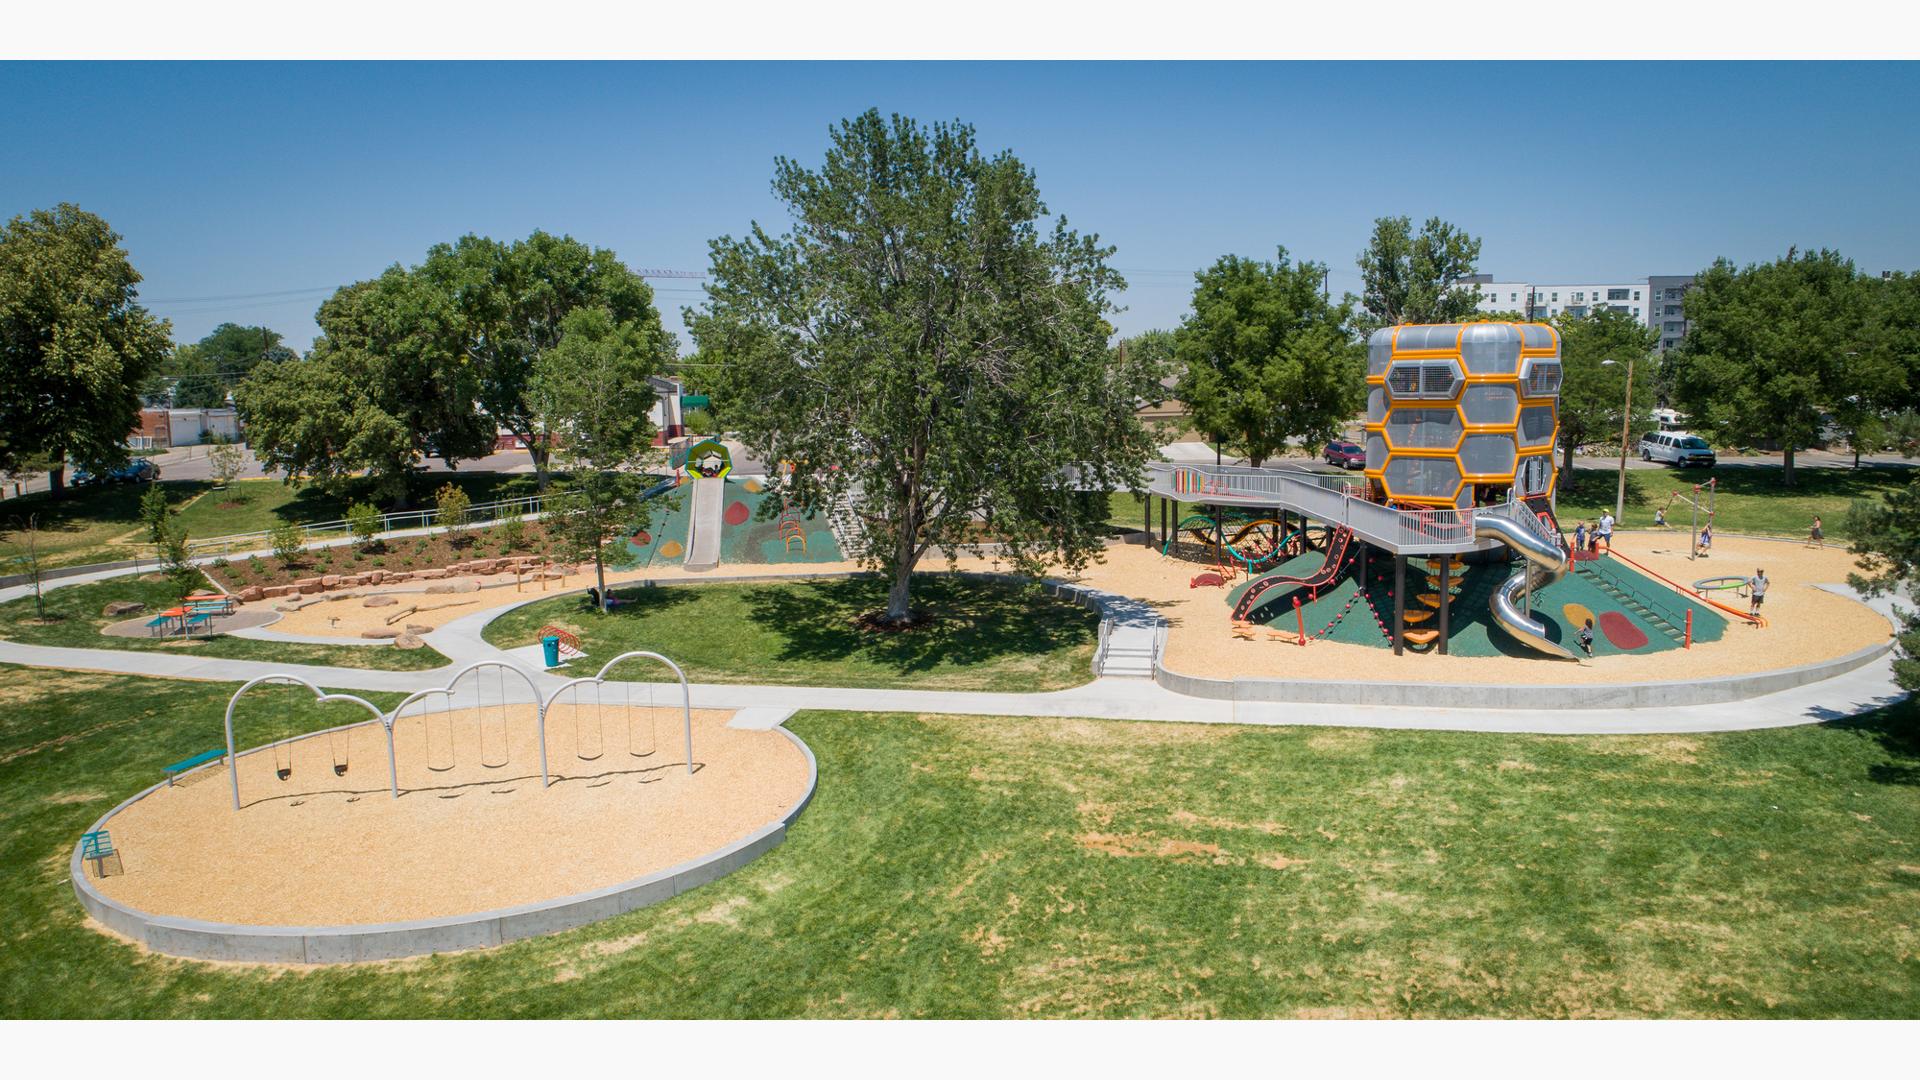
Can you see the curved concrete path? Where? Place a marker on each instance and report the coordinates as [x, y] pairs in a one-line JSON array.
[[1861, 690]]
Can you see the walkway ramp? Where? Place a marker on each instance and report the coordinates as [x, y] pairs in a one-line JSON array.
[[703, 530]]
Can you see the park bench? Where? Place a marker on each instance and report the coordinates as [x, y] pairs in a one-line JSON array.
[[179, 767], [96, 848], [159, 624], [198, 618]]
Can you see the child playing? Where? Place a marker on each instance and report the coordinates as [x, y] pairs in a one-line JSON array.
[[1815, 536], [1586, 638], [1756, 591], [1706, 538], [1660, 517], [1580, 538]]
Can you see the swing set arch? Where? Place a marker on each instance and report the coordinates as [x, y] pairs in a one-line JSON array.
[[599, 679], [503, 667], [320, 697]]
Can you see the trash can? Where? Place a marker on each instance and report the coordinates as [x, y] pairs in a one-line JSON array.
[[550, 645]]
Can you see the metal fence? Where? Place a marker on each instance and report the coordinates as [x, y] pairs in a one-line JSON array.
[[321, 532]]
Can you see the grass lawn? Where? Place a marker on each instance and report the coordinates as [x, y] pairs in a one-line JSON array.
[[988, 636], [102, 523], [1751, 499], [965, 867], [74, 621]]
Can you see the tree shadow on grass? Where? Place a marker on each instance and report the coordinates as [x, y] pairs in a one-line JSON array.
[[1897, 728], [970, 623]]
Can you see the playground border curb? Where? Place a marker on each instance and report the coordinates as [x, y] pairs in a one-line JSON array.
[[195, 939], [1642, 695]]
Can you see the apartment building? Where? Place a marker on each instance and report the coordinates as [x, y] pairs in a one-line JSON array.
[[1656, 301]]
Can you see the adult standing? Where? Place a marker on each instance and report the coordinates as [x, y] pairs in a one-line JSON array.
[[1606, 531]]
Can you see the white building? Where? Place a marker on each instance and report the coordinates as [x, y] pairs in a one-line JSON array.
[[1543, 302]]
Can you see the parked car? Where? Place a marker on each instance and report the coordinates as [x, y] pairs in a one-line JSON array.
[[1676, 448], [139, 470], [1346, 455]]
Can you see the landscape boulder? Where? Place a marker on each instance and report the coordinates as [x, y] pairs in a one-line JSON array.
[[380, 601], [120, 609], [416, 628], [408, 641], [385, 633], [251, 593], [439, 590]]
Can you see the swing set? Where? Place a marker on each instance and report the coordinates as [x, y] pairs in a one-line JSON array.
[[490, 715]]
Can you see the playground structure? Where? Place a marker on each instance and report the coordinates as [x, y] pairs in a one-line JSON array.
[[1712, 487], [1460, 429]]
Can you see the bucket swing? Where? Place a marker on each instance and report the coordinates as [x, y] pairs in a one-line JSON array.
[[283, 752], [340, 744], [599, 726], [633, 743]]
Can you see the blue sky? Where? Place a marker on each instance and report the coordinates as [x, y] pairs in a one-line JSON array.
[[233, 180]]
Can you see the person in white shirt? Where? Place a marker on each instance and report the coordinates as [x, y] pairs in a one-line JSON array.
[[1606, 531], [1756, 591]]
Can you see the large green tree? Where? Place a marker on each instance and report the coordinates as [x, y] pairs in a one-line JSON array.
[[591, 391], [925, 343], [1416, 278], [201, 375], [1592, 392], [75, 346], [511, 302], [386, 384], [1774, 349], [1886, 535], [1265, 358]]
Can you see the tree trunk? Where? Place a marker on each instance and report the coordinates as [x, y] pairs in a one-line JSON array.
[[541, 456], [56, 481], [897, 609], [600, 577], [1786, 460]]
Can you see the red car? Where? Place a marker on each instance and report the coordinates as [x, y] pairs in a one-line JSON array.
[[1346, 455]]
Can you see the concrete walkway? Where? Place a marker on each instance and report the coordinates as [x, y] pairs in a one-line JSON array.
[[1118, 698]]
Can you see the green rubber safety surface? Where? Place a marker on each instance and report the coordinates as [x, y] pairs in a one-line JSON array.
[[1359, 612]]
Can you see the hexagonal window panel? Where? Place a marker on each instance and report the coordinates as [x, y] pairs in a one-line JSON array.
[[1540, 377], [1376, 450], [1536, 425], [1536, 475], [1431, 380], [1488, 455], [1421, 477], [1376, 405], [1490, 403], [1423, 429]]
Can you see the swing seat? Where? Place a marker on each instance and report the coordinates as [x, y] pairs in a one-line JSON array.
[[284, 773], [339, 769]]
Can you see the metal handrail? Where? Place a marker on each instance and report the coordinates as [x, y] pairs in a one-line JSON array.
[[478, 513], [1672, 618]]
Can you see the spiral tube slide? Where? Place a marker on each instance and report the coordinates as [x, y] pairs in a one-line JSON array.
[[1546, 563]]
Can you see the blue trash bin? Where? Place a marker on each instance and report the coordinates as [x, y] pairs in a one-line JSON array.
[[551, 646]]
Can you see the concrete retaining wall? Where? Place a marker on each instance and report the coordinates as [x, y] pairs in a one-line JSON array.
[[1712, 691], [386, 941]]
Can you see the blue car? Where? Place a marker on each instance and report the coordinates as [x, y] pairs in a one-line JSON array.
[[139, 470]]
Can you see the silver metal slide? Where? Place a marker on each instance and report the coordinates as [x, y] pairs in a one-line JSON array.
[[703, 525], [1546, 563]]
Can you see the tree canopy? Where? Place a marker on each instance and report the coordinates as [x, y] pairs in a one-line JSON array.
[[924, 345], [1774, 349], [1265, 358], [1409, 278], [75, 345], [591, 391], [201, 375], [510, 303], [1886, 534], [386, 384], [1592, 393]]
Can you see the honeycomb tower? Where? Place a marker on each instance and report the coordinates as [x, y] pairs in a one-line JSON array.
[[1462, 412]]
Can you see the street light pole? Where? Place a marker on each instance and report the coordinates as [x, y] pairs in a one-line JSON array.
[[1626, 423]]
